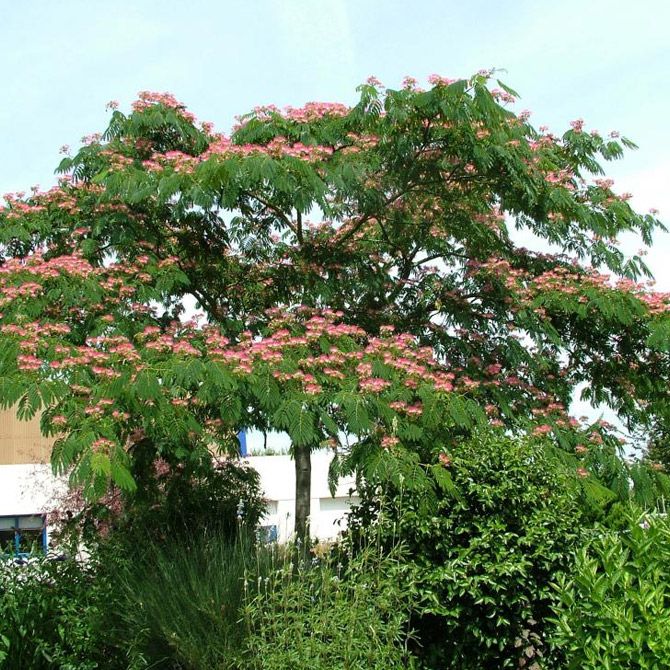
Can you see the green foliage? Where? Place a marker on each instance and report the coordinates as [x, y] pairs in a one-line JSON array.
[[177, 554], [613, 607], [481, 558], [329, 616], [162, 586], [658, 452], [183, 502], [48, 614], [177, 604], [171, 502]]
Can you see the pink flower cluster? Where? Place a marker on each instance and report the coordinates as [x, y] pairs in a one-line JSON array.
[[503, 96], [439, 80], [148, 98], [568, 281], [562, 178], [315, 110]]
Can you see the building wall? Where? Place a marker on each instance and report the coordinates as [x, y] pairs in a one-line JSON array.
[[29, 489], [21, 441]]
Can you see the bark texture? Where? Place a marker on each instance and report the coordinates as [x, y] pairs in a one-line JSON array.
[[303, 481]]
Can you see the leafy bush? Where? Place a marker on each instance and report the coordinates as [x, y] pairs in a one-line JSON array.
[[614, 606], [48, 610], [483, 552], [213, 604], [175, 501], [329, 616], [162, 584]]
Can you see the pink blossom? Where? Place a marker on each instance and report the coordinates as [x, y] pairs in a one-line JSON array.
[[373, 384], [438, 80], [444, 460], [389, 441]]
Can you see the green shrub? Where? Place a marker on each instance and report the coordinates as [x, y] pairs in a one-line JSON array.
[[504, 522], [48, 610], [213, 605], [177, 502], [613, 608], [177, 556], [162, 586], [328, 616]]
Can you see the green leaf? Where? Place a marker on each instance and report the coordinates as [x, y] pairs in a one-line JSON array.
[[458, 411], [444, 480], [296, 419], [356, 414], [121, 475], [659, 335], [30, 403], [100, 464]]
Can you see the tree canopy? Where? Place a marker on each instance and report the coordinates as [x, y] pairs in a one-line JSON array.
[[357, 280]]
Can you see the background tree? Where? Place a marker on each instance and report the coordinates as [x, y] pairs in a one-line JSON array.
[[383, 229]]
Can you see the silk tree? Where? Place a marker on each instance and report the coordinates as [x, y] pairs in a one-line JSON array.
[[357, 278]]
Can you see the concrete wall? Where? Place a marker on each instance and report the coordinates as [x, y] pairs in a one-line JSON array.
[[278, 483], [28, 489]]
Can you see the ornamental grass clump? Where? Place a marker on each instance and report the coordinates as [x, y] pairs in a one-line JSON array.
[[336, 613], [179, 605]]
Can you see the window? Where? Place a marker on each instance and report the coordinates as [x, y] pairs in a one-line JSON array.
[[268, 531], [22, 535], [267, 534]]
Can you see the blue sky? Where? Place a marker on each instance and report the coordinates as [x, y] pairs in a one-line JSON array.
[[60, 62]]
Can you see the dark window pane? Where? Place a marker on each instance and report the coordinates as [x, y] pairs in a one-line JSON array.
[[32, 522], [6, 541], [30, 541]]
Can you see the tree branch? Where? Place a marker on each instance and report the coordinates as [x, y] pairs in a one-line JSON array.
[[275, 210], [298, 229]]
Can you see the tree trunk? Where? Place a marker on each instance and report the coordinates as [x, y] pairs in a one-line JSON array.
[[303, 492]]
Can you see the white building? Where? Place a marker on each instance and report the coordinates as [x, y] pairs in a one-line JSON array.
[[28, 489], [278, 483]]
